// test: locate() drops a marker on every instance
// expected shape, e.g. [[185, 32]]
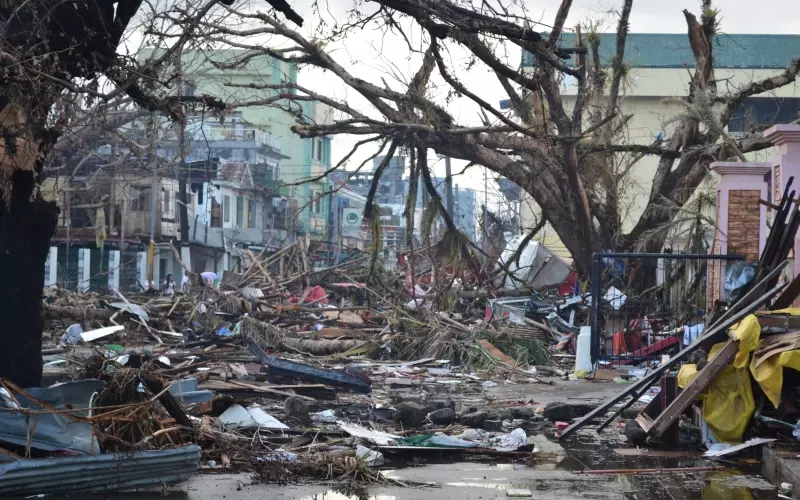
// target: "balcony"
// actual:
[[238, 137], [218, 236]]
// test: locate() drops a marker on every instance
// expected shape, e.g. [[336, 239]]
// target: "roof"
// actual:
[[672, 50], [236, 171]]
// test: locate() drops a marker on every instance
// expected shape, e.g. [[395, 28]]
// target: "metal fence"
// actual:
[[646, 305]]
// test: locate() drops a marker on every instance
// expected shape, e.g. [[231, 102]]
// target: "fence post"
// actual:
[[84, 269], [141, 270], [51, 268], [113, 269], [595, 321]]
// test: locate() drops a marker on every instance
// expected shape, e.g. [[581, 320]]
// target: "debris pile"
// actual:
[[730, 381], [281, 371]]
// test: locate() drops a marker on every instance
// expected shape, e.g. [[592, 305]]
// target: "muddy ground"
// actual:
[[554, 474]]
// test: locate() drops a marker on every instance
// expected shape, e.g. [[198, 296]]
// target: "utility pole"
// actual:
[[449, 180], [485, 203], [183, 196], [153, 201]]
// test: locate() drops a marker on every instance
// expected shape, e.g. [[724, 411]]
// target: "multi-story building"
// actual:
[[658, 70], [306, 159], [232, 171]]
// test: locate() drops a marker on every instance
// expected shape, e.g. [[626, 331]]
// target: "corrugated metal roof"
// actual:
[[104, 472], [672, 50]]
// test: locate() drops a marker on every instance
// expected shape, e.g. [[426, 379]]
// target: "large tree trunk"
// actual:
[[25, 231]]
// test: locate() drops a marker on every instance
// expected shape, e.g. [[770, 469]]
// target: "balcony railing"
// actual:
[[210, 133]]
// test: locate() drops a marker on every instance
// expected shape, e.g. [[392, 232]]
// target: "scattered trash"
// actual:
[[723, 449], [92, 335], [370, 457], [238, 417]]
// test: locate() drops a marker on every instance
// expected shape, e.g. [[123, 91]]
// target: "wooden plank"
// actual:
[[787, 298], [497, 353], [779, 321], [716, 332], [695, 387], [644, 421]]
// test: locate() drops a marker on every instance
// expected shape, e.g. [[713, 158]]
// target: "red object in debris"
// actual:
[[560, 426], [317, 295], [650, 350], [567, 287]]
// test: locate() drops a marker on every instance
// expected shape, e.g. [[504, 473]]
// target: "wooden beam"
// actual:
[[692, 391]]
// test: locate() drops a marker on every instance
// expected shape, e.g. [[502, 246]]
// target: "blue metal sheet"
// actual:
[[98, 473]]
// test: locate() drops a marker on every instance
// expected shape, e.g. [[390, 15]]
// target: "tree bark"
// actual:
[[26, 227]]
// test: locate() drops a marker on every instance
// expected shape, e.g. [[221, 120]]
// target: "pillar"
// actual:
[[51, 268], [141, 269], [113, 269], [786, 164], [186, 258], [84, 269], [741, 221]]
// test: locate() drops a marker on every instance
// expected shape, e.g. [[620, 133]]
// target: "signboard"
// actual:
[[351, 222]]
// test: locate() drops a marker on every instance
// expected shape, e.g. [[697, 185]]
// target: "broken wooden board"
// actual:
[[497, 353], [779, 321], [692, 391]]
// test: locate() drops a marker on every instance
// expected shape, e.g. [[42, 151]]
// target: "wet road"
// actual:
[[553, 475]]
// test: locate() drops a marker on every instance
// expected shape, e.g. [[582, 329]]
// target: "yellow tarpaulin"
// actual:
[[748, 333], [769, 374], [728, 401]]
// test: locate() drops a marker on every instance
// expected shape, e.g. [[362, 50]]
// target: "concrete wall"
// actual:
[[645, 94]]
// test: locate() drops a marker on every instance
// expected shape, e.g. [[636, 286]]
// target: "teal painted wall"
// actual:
[[262, 70]]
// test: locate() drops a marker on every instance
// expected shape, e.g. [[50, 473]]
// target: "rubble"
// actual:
[[279, 373]]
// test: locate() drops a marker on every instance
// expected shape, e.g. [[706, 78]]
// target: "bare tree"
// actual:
[[61, 71], [571, 161]]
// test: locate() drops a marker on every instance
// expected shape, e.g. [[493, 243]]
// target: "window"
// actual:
[[760, 113], [251, 213], [188, 89], [320, 148], [239, 211], [216, 217], [165, 195], [317, 202], [226, 208], [140, 201], [177, 205]]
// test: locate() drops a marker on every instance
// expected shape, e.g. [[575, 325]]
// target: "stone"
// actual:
[[474, 419], [442, 416], [438, 404], [295, 407], [631, 413], [522, 412], [410, 414], [564, 412], [493, 425], [635, 434]]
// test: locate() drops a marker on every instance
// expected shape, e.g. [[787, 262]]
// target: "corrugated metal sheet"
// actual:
[[99, 473], [660, 50]]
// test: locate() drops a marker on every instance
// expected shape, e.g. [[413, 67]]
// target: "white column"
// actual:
[[156, 269], [226, 261], [186, 257], [84, 269], [141, 269], [51, 268], [113, 269]]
